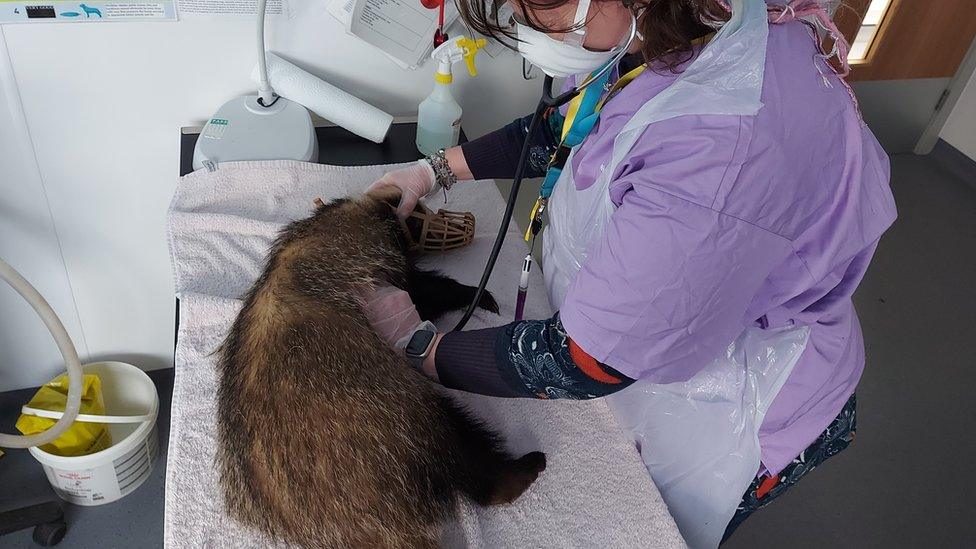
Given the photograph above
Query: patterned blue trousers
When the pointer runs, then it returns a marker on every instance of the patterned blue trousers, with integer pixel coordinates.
(838, 436)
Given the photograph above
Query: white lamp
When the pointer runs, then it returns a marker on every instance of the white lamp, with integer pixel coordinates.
(264, 126)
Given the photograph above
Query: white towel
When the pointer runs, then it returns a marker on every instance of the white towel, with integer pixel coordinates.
(595, 491)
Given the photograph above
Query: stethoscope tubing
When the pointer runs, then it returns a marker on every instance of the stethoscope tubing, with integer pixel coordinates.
(546, 102)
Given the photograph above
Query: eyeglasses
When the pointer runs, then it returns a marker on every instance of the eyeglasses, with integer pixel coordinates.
(505, 12)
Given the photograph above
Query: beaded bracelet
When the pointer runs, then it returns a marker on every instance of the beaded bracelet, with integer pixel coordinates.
(443, 175)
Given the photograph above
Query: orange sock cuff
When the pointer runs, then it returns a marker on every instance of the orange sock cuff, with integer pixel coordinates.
(589, 365)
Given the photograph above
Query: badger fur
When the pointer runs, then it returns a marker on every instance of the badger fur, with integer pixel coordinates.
(327, 438)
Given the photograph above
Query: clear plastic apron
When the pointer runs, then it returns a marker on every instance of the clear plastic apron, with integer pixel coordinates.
(699, 438)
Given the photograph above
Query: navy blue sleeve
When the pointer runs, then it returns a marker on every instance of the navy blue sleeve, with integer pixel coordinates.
(495, 155)
(527, 359)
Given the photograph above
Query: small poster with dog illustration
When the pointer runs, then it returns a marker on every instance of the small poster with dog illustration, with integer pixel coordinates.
(88, 11)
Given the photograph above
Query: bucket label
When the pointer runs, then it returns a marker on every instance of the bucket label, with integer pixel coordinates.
(86, 485)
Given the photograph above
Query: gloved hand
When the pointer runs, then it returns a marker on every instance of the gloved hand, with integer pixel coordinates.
(414, 182)
(391, 312)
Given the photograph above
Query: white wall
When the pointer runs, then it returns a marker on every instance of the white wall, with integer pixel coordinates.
(960, 129)
(104, 104)
(29, 243)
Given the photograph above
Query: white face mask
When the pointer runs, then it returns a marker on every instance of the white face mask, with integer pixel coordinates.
(565, 58)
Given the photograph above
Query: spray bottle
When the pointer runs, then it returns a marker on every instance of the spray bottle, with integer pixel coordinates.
(439, 116)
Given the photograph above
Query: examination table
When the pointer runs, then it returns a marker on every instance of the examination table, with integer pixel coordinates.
(595, 491)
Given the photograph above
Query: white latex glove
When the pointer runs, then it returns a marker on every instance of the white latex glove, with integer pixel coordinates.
(391, 312)
(414, 182)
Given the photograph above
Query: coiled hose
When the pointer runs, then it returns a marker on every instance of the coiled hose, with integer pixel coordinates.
(68, 352)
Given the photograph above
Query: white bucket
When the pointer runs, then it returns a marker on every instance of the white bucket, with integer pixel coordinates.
(131, 405)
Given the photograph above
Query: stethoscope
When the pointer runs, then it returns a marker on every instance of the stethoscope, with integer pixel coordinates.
(547, 102)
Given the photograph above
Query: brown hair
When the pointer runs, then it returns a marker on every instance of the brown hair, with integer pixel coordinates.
(669, 27)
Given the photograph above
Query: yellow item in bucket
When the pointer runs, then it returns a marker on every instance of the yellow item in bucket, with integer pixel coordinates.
(81, 438)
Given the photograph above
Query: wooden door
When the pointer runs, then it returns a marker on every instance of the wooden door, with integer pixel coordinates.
(916, 39)
(907, 70)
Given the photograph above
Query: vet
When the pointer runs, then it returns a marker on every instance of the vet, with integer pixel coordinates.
(728, 183)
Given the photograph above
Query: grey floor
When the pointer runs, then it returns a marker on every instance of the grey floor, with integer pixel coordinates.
(906, 482)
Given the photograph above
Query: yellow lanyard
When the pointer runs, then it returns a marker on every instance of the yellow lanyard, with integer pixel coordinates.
(621, 82)
(572, 110)
(574, 105)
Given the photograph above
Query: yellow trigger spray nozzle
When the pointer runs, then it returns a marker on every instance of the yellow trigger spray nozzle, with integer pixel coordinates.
(470, 47)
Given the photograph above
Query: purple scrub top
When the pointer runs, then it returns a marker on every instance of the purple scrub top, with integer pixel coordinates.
(723, 222)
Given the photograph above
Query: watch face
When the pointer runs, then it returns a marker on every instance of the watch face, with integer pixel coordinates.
(419, 343)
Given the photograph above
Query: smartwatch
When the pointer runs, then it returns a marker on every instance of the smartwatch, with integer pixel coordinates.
(418, 349)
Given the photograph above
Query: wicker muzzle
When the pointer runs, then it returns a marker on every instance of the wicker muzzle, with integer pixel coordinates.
(438, 232)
